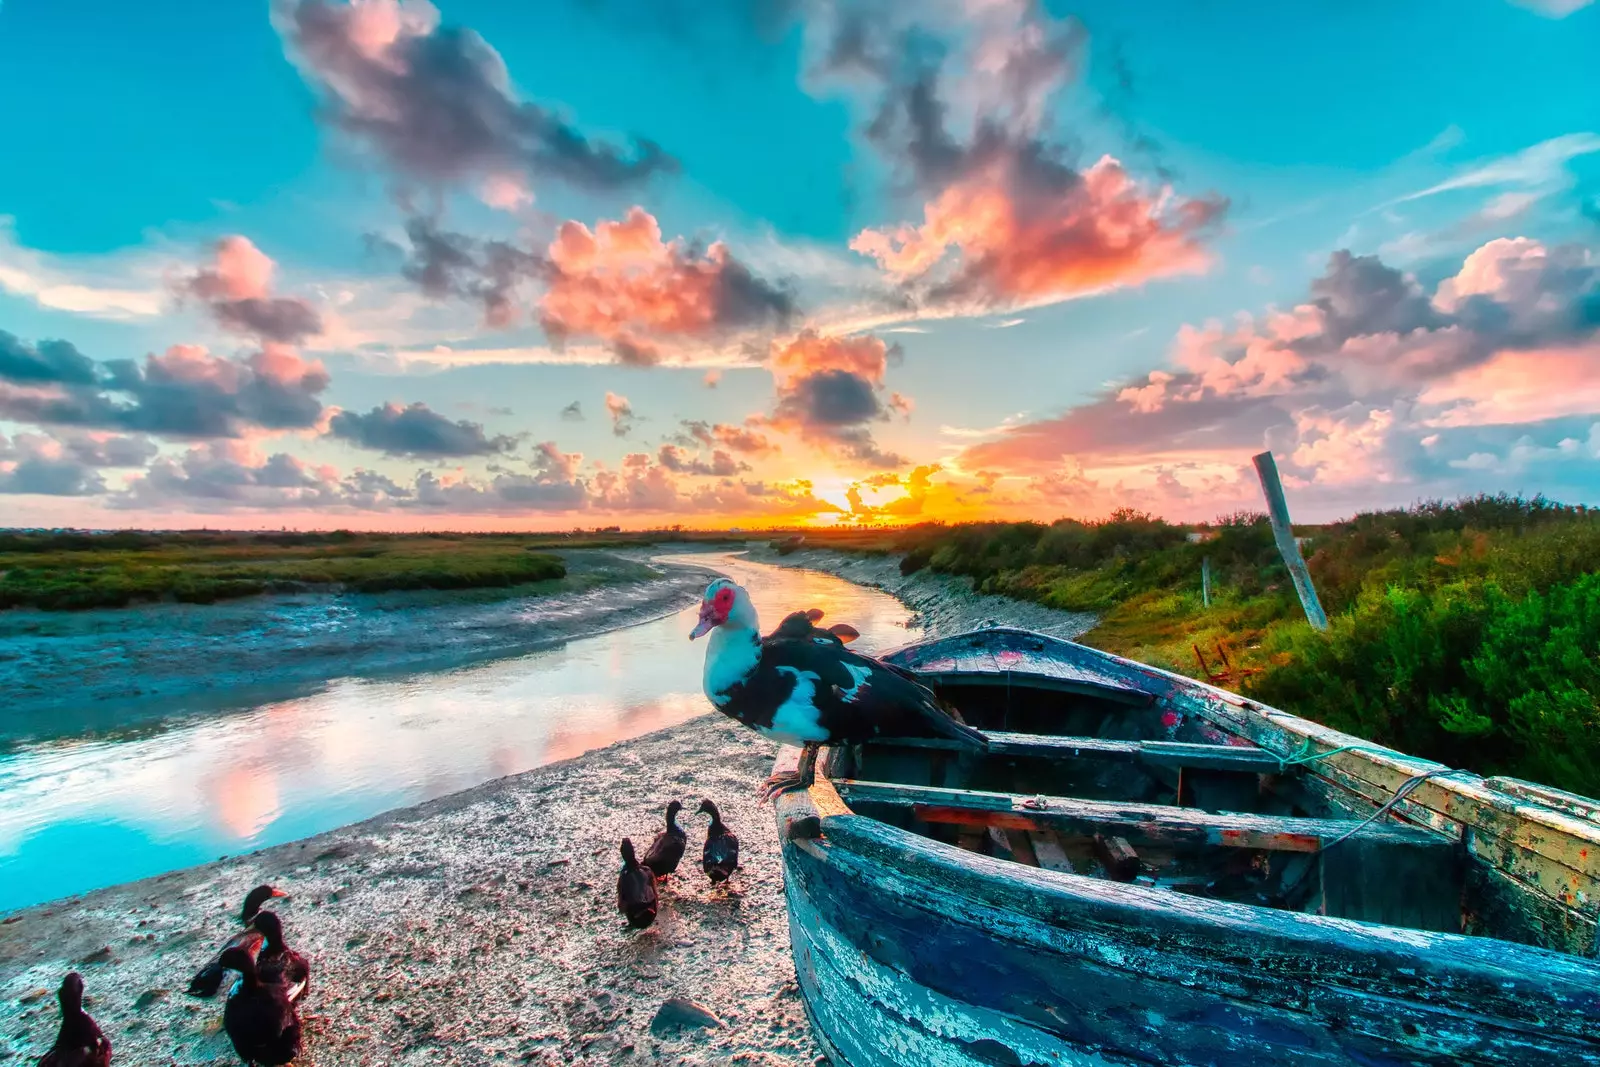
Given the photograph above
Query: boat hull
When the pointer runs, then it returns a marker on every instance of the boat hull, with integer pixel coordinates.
(909, 950)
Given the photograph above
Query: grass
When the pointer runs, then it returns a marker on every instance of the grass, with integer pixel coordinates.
(71, 571)
(1466, 632)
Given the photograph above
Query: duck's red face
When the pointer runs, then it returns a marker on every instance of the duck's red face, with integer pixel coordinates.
(714, 610)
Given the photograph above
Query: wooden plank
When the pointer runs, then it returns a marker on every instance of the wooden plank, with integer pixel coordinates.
(1424, 997)
(1378, 883)
(1154, 823)
(1242, 758)
(1120, 859)
(1021, 846)
(1095, 961)
(1048, 851)
(1579, 807)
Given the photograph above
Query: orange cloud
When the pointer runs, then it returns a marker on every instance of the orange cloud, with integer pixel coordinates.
(998, 237)
(622, 284)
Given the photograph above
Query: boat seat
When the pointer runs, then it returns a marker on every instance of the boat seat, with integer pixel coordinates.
(1153, 823)
(1382, 872)
(1174, 754)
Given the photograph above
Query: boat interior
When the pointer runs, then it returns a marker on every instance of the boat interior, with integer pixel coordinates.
(1107, 782)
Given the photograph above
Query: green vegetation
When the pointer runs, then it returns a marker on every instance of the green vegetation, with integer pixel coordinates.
(1466, 632)
(66, 571)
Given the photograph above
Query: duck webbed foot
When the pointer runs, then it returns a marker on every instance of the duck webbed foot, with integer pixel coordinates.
(778, 784)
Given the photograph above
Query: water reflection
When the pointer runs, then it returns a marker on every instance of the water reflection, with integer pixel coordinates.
(76, 814)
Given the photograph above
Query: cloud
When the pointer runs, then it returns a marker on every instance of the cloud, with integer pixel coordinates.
(621, 284)
(436, 102)
(573, 412)
(963, 100)
(1371, 380)
(66, 466)
(183, 392)
(1555, 9)
(233, 474)
(621, 413)
(237, 290)
(117, 288)
(829, 391)
(1010, 237)
(917, 486)
(47, 363)
(444, 264)
(721, 464)
(416, 430)
(744, 439)
(1540, 167)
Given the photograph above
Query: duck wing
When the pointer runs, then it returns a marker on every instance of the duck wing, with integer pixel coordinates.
(721, 856)
(290, 970)
(665, 852)
(208, 979)
(848, 696)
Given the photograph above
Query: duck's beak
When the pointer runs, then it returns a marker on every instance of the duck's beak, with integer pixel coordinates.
(708, 622)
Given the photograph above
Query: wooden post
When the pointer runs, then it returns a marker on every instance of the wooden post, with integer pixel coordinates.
(1205, 581)
(1283, 533)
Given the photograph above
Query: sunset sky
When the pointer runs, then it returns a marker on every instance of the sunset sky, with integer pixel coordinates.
(539, 265)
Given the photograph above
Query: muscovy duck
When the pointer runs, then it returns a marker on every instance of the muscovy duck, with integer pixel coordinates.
(277, 962)
(208, 979)
(720, 858)
(667, 849)
(259, 1017)
(636, 889)
(800, 686)
(79, 1043)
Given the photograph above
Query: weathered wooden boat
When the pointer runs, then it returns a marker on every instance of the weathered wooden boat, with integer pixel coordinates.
(1144, 869)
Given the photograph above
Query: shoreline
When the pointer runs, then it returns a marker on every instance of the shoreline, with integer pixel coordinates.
(944, 603)
(68, 675)
(481, 925)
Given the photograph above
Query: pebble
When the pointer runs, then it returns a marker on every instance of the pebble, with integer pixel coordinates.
(679, 1013)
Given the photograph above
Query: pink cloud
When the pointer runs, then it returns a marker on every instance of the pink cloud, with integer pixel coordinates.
(1514, 387)
(992, 240)
(622, 284)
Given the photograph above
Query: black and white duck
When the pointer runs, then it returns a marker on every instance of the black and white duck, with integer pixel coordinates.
(720, 858)
(277, 962)
(801, 686)
(666, 850)
(79, 1042)
(208, 979)
(259, 1018)
(636, 889)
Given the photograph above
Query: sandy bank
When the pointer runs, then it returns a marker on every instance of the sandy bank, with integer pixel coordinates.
(475, 928)
(944, 603)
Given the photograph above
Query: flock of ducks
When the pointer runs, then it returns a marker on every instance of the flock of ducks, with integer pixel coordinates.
(638, 886)
(260, 1016)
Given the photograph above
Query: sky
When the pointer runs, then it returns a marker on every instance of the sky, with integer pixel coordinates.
(387, 264)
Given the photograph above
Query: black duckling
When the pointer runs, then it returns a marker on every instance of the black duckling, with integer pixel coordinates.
(79, 1042)
(208, 979)
(277, 962)
(721, 856)
(667, 849)
(636, 889)
(259, 1017)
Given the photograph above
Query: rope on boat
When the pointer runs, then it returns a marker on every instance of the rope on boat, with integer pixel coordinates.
(1304, 755)
(1399, 794)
